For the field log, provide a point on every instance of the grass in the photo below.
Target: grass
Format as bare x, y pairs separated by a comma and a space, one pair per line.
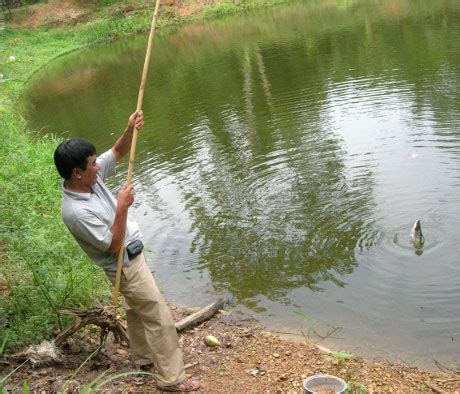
356, 388
221, 10
90, 388
5, 378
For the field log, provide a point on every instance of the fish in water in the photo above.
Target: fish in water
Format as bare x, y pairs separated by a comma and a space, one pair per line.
417, 237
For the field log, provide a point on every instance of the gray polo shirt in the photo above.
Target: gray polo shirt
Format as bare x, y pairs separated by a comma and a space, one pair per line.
89, 217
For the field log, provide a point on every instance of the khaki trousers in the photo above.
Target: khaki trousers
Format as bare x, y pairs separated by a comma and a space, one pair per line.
152, 333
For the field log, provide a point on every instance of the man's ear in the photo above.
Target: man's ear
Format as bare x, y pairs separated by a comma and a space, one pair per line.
76, 173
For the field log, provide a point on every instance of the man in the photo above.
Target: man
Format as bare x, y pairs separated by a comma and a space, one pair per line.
97, 222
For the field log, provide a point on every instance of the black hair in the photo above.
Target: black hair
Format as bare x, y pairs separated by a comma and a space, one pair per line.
72, 154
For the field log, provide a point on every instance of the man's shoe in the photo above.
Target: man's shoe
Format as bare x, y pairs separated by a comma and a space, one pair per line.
186, 385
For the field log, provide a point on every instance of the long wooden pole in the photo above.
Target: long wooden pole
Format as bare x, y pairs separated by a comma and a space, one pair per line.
132, 154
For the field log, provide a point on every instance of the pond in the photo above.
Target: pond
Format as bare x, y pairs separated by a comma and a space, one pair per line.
285, 157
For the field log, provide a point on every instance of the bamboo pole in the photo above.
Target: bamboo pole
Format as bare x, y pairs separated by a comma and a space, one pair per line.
134, 141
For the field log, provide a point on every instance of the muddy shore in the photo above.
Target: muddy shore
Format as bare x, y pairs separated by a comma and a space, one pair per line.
247, 359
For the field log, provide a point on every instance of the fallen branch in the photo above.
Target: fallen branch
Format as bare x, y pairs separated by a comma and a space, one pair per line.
190, 365
434, 388
443, 368
200, 316
105, 317
448, 380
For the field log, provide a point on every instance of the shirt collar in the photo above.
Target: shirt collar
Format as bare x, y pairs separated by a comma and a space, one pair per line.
75, 195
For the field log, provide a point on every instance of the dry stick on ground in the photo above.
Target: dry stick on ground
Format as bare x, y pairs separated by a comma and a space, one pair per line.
190, 365
200, 316
443, 368
434, 388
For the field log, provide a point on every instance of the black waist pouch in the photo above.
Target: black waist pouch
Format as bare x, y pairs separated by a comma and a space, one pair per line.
134, 249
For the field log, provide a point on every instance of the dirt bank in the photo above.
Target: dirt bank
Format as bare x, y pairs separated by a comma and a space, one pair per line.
70, 12
248, 359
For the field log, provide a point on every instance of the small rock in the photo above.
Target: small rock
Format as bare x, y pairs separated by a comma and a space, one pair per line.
276, 355
323, 349
45, 371
254, 372
266, 334
122, 352
211, 341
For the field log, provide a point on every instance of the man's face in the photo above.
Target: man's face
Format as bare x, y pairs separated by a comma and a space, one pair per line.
88, 176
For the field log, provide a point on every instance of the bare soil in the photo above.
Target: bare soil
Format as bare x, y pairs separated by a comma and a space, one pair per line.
53, 12
247, 359
71, 12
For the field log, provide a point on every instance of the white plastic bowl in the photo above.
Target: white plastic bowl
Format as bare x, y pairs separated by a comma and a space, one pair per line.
324, 382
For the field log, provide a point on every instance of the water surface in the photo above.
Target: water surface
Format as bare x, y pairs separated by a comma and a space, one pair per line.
285, 158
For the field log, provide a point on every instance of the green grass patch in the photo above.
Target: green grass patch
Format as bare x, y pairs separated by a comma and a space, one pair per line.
221, 10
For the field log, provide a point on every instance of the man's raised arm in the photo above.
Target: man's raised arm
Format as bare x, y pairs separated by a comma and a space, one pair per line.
123, 144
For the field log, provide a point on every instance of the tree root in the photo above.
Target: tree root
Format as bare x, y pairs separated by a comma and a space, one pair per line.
106, 317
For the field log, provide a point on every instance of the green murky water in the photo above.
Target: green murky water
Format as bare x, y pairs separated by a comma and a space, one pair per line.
285, 158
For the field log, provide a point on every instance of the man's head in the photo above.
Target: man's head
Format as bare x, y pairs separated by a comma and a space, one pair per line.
72, 158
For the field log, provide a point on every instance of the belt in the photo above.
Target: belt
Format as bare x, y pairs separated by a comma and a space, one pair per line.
134, 249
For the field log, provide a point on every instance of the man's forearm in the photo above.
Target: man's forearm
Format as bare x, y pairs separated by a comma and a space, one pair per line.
118, 230
123, 144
